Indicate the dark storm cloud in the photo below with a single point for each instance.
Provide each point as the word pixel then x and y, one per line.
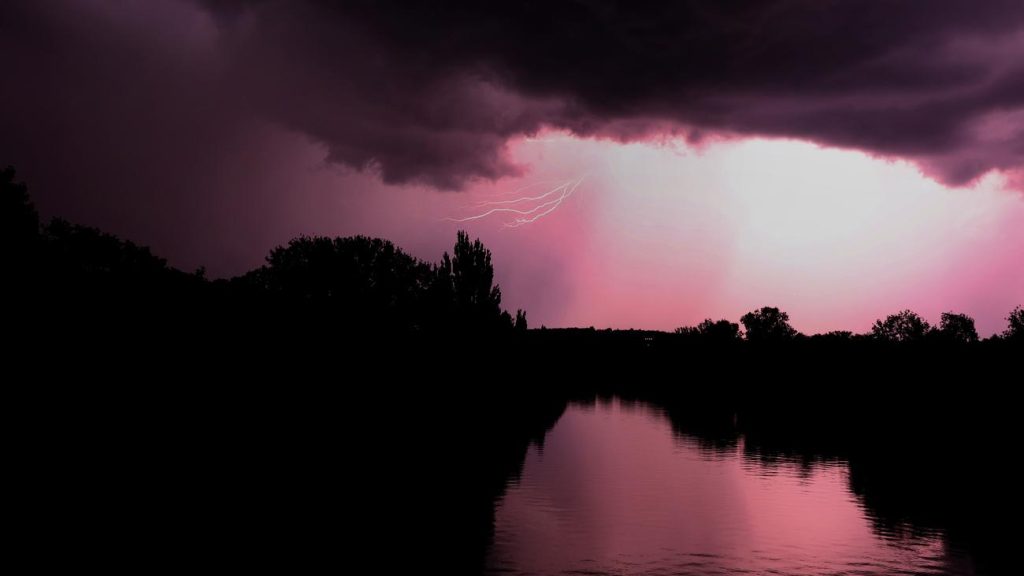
pixel 117 116
pixel 431 92
pixel 408 115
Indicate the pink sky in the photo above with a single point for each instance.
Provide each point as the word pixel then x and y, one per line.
pixel 660 235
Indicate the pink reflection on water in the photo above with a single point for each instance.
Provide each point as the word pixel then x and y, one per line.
pixel 613 491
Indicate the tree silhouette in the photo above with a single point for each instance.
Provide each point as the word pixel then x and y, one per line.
pixel 905 326
pixel 88 251
pixel 1015 327
pixel 18 217
pixel 473 276
pixel 19 224
pixel 370 284
pixel 73 253
pixel 768 325
pixel 711 331
pixel 361 282
pixel 957 328
pixel 521 325
pixel 466 281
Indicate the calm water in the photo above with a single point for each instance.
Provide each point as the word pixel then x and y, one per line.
pixel 614 491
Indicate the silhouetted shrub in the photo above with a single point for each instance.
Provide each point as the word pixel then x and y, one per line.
pixel 1015 327
pixel 709 331
pixel 905 326
pixel 768 325
pixel 957 328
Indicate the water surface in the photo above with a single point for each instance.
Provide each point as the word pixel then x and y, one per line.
pixel 613 490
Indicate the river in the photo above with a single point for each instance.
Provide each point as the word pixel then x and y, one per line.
pixel 615 489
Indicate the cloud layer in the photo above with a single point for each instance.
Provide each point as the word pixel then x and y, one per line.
pixel 431 92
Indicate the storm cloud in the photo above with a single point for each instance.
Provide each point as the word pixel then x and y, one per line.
pixel 431 92
pixel 938 82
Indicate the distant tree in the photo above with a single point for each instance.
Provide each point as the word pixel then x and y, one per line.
pixel 369 283
pixel 712 331
pixel 768 325
pixel 521 325
pixel 905 326
pixel 473 276
pixel 1015 327
pixel 441 296
pixel 87 251
pixel 359 281
pixel 19 216
pixel 957 328
pixel 19 221
pixel 464 283
pixel 836 337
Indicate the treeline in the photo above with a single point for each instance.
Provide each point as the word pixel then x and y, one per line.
pixel 353 285
pixel 771 325
pixel 347 286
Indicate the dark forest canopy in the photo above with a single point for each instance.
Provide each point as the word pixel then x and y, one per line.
pixel 350 284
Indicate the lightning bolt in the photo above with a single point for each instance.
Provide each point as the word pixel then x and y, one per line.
pixel 524 209
pixel 529 186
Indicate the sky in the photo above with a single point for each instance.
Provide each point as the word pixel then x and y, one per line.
pixel 840 160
